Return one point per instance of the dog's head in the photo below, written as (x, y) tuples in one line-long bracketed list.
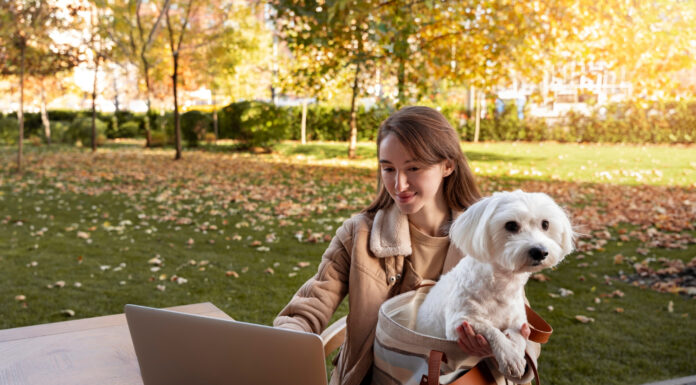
[(515, 231)]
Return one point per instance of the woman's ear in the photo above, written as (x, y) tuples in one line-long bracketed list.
[(447, 168)]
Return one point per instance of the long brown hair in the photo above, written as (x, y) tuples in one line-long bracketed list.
[(430, 139)]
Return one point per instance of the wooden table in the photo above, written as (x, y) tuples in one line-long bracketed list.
[(94, 351)]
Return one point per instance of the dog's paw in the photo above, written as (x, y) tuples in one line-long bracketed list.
[(511, 362)]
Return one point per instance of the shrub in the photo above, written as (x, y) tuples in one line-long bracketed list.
[(80, 131), (256, 124), (9, 130), (194, 126), (159, 139), (129, 129)]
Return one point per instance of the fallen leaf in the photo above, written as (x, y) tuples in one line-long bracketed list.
[(584, 319), (540, 277), (618, 259), (565, 292), (269, 270), (155, 261), (20, 297), (68, 312), (232, 273), (619, 310)]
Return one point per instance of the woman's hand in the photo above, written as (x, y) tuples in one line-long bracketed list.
[(476, 344)]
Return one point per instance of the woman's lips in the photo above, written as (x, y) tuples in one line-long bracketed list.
[(405, 198)]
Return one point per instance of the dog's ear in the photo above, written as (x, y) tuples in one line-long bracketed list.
[(567, 233), (469, 232)]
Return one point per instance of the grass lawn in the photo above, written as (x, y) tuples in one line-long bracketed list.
[(90, 233)]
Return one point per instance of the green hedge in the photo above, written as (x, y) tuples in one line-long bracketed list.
[(260, 124)]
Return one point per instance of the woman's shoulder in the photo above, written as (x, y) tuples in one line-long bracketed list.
[(361, 221)]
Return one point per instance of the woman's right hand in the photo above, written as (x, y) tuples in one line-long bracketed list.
[(472, 343), (476, 344)]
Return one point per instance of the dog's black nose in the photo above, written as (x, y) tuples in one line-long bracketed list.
[(538, 253)]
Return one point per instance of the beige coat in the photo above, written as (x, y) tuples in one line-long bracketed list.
[(366, 261)]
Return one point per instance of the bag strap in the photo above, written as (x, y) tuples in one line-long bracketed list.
[(475, 376), (540, 329), (530, 362)]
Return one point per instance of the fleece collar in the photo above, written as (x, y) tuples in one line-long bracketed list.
[(390, 234)]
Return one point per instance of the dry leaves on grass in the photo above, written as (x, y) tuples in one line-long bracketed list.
[(273, 191)]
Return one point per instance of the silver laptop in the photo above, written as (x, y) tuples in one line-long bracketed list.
[(179, 348)]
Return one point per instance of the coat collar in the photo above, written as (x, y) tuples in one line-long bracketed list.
[(390, 237)]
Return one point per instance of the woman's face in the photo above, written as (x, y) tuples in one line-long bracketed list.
[(412, 184)]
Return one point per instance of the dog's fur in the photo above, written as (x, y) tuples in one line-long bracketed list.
[(486, 288)]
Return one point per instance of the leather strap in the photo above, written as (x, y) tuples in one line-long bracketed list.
[(540, 329), (475, 376), (530, 362)]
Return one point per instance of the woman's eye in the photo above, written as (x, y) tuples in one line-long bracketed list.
[(414, 169), (545, 224)]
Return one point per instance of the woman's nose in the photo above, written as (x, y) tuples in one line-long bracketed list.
[(401, 182)]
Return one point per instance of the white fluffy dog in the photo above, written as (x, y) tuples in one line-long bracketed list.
[(506, 237)]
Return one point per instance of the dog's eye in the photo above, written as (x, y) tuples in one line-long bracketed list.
[(512, 226), (545, 224)]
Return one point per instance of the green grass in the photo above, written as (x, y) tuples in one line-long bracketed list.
[(201, 216)]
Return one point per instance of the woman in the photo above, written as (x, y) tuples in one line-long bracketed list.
[(399, 240)]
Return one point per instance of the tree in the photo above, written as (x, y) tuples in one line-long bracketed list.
[(647, 40), (329, 41), (100, 50), (28, 48), (228, 37), (177, 23), (132, 26)]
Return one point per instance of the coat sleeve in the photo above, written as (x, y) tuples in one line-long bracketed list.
[(311, 308)]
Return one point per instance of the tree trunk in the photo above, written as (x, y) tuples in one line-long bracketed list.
[(20, 113), (215, 115), (303, 123), (401, 79), (478, 116), (44, 114), (354, 116), (94, 105), (177, 128), (148, 135)]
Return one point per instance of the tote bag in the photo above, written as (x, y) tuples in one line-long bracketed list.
[(403, 356)]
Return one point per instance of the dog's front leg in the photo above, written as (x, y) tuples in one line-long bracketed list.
[(507, 351)]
